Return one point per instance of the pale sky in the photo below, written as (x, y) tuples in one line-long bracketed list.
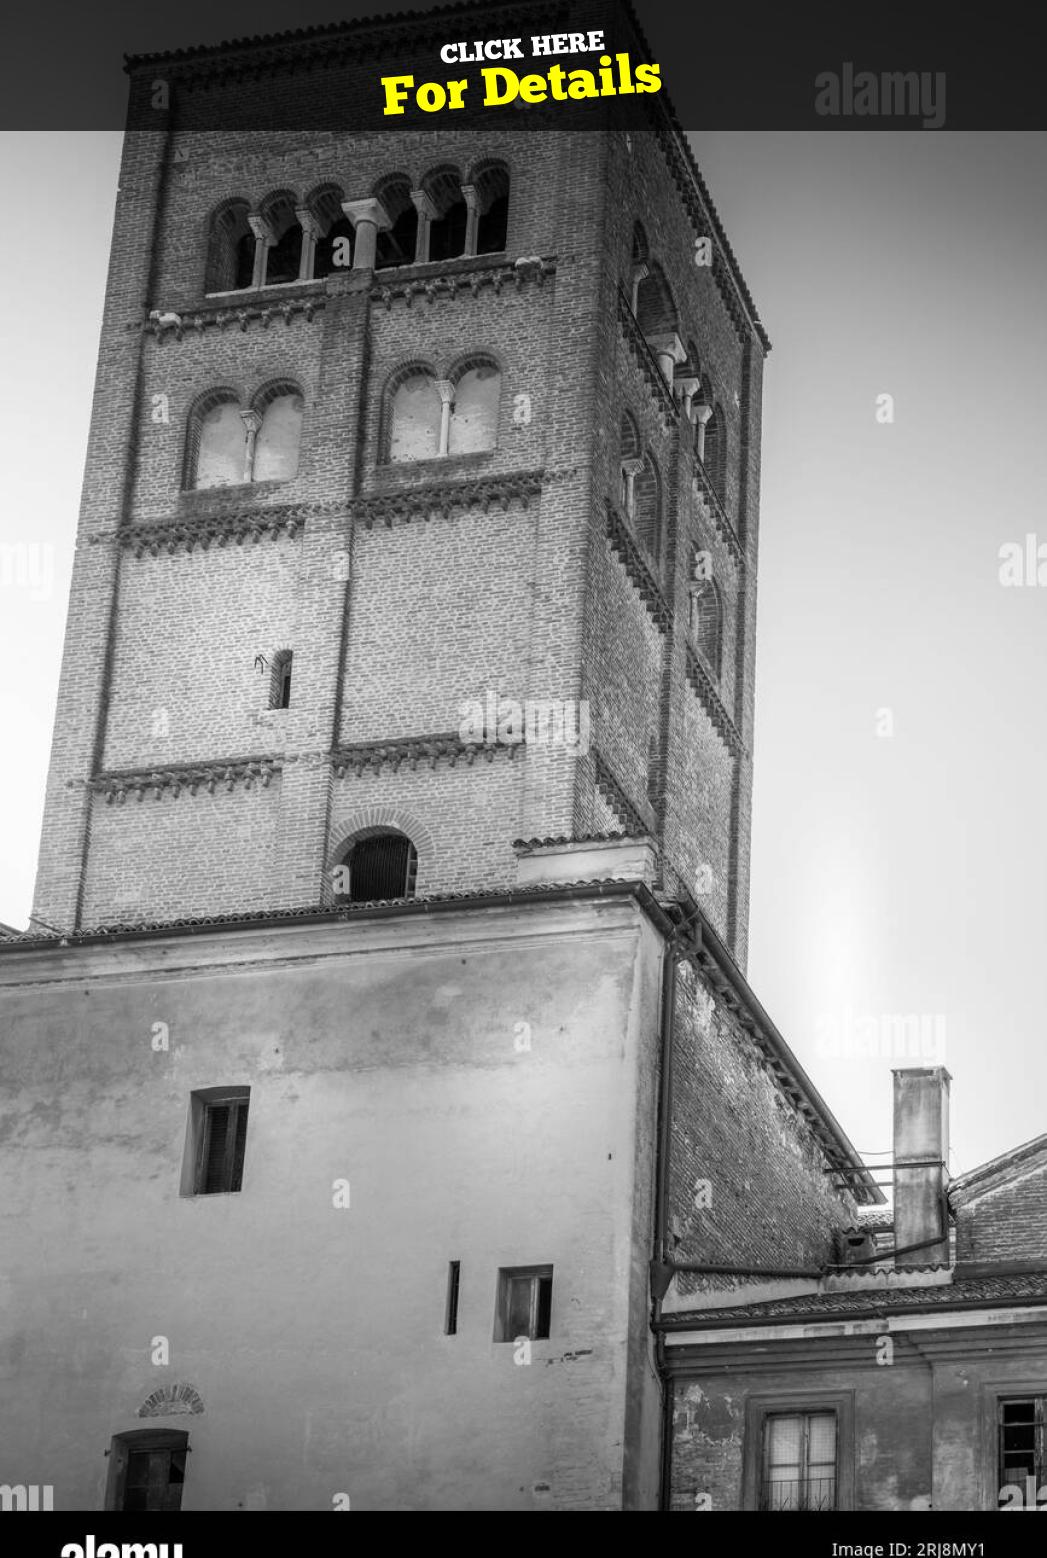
[(893, 874)]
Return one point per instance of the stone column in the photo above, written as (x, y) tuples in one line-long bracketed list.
[(702, 413), (687, 387), (670, 351), (472, 221), (252, 421), (631, 469), (446, 392), (263, 241), (427, 214), (640, 273), (310, 237), (369, 218)]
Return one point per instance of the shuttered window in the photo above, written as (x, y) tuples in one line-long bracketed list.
[(222, 1140), (381, 866)]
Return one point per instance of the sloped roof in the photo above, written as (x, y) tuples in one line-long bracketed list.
[(1019, 1287), (997, 1171)]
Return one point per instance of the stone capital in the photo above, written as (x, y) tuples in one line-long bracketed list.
[(445, 389), (369, 210), (668, 345), (633, 466), (423, 204), (260, 227), (308, 223), (702, 412)]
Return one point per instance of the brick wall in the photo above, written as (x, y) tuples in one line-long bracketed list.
[(398, 608)]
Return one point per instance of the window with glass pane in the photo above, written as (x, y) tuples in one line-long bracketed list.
[(154, 1479), (1021, 1440), (799, 1461), (525, 1303)]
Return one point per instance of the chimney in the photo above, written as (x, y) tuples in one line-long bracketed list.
[(921, 1155)]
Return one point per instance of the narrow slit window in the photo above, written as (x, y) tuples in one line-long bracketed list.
[(280, 686), (454, 1280)]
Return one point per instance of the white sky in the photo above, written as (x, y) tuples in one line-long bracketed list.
[(891, 876)]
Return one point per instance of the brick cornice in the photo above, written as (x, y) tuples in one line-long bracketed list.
[(218, 528), (414, 750), (117, 784), (473, 280), (249, 309), (614, 793), (700, 680), (709, 502), (337, 41), (438, 499), (625, 547)]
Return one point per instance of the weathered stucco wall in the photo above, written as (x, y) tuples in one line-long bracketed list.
[(391, 1053)]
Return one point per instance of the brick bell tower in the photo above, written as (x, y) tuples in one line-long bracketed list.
[(387, 432), (402, 753)]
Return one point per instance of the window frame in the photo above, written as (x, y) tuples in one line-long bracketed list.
[(201, 1101), (995, 1392), (784, 1404), (507, 1275), (121, 1448)]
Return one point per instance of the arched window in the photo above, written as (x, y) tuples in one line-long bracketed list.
[(639, 265), (415, 416), (397, 244), (334, 243), (379, 865), (655, 309), (629, 462), (706, 621), (647, 509), (491, 182), (230, 250), (279, 433), (715, 455), (283, 256), (216, 447), (448, 228), (227, 446), (280, 679), (473, 423)]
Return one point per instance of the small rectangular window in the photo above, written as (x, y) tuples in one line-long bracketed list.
[(454, 1277), (525, 1303), (214, 1160)]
